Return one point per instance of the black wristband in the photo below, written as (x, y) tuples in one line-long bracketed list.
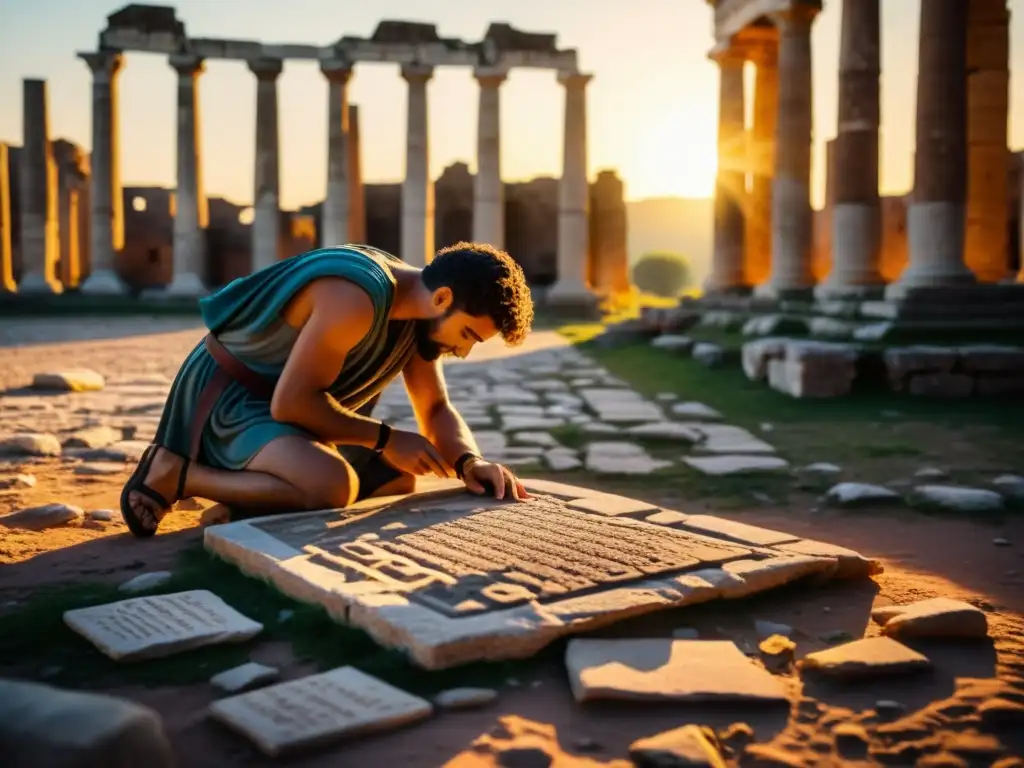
[(461, 462), (382, 438)]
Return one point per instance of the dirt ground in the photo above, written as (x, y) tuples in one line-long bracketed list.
[(924, 556)]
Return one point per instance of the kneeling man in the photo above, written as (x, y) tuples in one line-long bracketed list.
[(272, 410)]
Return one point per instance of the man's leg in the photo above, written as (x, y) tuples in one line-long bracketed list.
[(376, 476)]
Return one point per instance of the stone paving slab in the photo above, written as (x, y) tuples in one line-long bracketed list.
[(453, 578)]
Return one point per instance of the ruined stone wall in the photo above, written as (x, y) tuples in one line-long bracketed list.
[(147, 261), (609, 263)]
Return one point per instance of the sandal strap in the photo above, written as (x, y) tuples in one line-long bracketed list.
[(182, 476)]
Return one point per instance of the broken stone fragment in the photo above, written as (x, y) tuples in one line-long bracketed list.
[(18, 481), (667, 670), (244, 677), (955, 499), (853, 494), (873, 656), (42, 517), (31, 444), (71, 380), (689, 745), (465, 698), (939, 617), (92, 437), (42, 726), (145, 581)]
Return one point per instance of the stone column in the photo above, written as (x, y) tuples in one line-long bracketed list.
[(726, 274), (935, 215), (191, 215), (758, 233), (7, 284), (986, 246), (418, 189), (266, 198), (106, 199), (356, 196), (488, 194), (571, 288), (40, 241), (69, 188), (856, 212), (336, 210), (792, 223)]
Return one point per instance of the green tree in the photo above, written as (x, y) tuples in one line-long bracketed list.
[(662, 274)]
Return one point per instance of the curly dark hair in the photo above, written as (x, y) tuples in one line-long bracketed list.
[(484, 281)]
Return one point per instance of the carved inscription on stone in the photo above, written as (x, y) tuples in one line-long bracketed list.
[(159, 625), (491, 557), (317, 709)]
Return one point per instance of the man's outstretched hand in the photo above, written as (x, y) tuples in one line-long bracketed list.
[(485, 477), (412, 453)]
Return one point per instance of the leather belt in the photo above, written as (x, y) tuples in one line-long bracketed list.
[(229, 368)]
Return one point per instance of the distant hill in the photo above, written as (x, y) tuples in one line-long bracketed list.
[(678, 224)]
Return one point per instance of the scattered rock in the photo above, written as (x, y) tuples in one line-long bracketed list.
[(465, 698), (889, 710), (999, 541), (673, 343), (822, 468), (18, 481), (31, 444), (696, 412), (708, 354), (931, 473), (94, 468), (939, 617), (869, 657), (956, 499), (777, 653), (42, 517), (102, 515), (146, 581), (855, 494), (1010, 486), (52, 727), (71, 380), (735, 465), (685, 746), (92, 437), (244, 677)]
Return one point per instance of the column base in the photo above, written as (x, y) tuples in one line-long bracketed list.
[(839, 290), (935, 237), (720, 288), (568, 297), (187, 284), (777, 292), (37, 283), (103, 282)]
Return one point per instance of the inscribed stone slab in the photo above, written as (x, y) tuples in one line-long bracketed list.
[(160, 625), (318, 709), (451, 577)]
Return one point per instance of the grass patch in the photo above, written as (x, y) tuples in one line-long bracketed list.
[(36, 644)]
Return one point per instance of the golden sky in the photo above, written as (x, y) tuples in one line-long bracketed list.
[(652, 103)]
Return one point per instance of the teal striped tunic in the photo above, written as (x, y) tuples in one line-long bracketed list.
[(246, 316)]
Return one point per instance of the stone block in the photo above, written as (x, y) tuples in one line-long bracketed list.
[(850, 564), (665, 670), (46, 727), (870, 657), (940, 384), (453, 578), (991, 358), (805, 378), (731, 464), (938, 618), (160, 625), (903, 362), (757, 354), (318, 709)]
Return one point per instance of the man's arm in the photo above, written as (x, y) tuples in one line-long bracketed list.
[(437, 417), (341, 315)]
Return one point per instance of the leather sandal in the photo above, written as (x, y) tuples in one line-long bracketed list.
[(137, 484)]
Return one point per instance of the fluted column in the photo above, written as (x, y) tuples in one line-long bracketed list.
[(7, 284), (336, 210), (572, 288), (356, 195), (417, 190), (730, 183), (758, 219), (191, 215), (935, 216), (792, 223), (40, 243), (856, 213), (266, 199), (986, 246), (106, 198), (488, 195)]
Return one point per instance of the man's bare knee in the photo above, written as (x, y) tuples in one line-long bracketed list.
[(338, 491)]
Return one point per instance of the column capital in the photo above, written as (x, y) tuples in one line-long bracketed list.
[(266, 69), (187, 64), (490, 77), (336, 70), (417, 72), (731, 57), (103, 63), (574, 79), (796, 19)]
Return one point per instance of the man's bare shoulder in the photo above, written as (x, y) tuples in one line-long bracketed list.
[(339, 309)]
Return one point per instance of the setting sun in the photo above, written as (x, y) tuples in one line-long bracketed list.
[(672, 157)]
